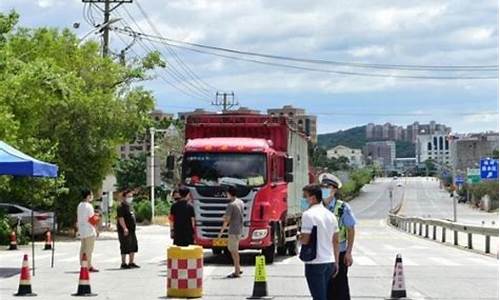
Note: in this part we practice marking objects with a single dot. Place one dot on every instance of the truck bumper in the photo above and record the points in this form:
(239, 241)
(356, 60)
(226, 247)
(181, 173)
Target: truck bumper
(247, 243)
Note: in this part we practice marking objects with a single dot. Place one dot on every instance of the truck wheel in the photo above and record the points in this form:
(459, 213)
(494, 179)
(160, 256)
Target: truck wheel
(282, 250)
(269, 253)
(293, 248)
(216, 251)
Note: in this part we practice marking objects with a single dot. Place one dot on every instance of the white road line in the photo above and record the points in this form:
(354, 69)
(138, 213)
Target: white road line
(391, 248)
(364, 250)
(157, 259)
(481, 261)
(443, 261)
(409, 262)
(364, 261)
(112, 260)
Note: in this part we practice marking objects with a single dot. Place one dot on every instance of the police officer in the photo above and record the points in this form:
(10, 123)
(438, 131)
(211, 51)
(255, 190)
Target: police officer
(339, 289)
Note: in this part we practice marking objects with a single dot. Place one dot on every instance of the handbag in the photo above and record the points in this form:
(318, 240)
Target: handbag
(308, 252)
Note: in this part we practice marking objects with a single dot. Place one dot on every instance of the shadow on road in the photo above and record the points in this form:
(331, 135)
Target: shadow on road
(246, 259)
(9, 272)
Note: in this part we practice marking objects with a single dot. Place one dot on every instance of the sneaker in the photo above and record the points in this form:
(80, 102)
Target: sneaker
(93, 270)
(133, 266)
(124, 266)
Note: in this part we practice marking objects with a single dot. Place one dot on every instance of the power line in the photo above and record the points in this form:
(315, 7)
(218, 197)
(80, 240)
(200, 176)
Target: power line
(170, 69)
(157, 39)
(342, 63)
(183, 65)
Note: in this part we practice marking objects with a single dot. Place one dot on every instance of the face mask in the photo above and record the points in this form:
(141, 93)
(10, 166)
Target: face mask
(326, 192)
(129, 200)
(304, 204)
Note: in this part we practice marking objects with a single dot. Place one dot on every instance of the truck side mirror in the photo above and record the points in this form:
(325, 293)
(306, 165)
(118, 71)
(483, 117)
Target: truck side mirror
(289, 165)
(170, 162)
(288, 177)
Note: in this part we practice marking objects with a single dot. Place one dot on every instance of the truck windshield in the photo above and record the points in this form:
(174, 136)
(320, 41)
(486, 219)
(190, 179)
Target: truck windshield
(247, 169)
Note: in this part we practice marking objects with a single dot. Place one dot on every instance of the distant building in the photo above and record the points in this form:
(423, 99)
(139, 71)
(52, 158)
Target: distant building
(392, 132)
(245, 110)
(159, 115)
(199, 111)
(466, 151)
(383, 152)
(435, 147)
(299, 119)
(402, 165)
(355, 156)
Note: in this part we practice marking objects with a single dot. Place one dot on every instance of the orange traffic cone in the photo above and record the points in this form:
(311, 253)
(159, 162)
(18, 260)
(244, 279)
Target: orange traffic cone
(13, 241)
(84, 282)
(398, 280)
(25, 280)
(48, 241)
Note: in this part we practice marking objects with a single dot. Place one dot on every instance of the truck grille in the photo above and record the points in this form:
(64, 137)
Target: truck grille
(210, 211)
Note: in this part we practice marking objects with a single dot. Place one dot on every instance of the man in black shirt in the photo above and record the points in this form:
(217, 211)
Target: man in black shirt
(126, 230)
(182, 220)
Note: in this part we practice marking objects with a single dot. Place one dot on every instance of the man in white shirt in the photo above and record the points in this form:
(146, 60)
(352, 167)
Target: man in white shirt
(87, 220)
(320, 271)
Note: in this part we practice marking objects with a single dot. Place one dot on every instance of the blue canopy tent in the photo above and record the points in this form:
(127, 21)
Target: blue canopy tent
(15, 163)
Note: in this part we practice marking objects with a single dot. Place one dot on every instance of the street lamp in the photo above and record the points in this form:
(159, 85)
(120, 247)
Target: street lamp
(152, 132)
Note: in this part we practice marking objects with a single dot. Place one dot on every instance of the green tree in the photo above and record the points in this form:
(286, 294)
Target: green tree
(64, 103)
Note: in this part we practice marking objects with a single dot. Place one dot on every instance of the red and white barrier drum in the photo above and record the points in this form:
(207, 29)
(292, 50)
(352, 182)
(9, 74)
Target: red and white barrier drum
(185, 272)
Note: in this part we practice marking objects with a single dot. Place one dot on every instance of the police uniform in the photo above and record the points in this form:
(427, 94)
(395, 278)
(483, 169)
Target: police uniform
(339, 289)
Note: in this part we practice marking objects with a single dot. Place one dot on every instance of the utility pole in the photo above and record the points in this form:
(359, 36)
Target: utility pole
(109, 6)
(221, 100)
(105, 34)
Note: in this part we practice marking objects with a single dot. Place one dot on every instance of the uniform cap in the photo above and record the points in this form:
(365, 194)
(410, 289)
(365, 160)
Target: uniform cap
(330, 179)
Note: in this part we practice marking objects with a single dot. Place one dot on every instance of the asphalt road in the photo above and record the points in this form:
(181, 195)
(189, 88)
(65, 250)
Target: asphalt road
(432, 270)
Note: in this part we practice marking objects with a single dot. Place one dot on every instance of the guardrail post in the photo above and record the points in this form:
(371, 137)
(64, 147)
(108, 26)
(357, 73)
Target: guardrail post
(443, 235)
(487, 244)
(469, 240)
(455, 238)
(426, 231)
(420, 229)
(414, 228)
(434, 232)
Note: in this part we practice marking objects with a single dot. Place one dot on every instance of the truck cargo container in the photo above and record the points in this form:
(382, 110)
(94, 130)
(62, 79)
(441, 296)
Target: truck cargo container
(268, 163)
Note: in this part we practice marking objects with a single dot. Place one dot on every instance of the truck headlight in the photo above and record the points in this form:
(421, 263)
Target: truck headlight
(259, 234)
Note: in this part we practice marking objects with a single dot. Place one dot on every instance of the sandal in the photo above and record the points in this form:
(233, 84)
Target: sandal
(233, 275)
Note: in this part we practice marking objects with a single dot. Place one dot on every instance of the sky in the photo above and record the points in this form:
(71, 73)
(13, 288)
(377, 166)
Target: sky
(410, 32)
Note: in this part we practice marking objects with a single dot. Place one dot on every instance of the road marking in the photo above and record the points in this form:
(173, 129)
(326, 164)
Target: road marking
(481, 261)
(409, 262)
(364, 250)
(157, 259)
(364, 261)
(443, 261)
(287, 261)
(112, 260)
(75, 258)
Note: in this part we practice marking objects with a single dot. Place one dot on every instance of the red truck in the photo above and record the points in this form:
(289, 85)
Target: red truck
(265, 159)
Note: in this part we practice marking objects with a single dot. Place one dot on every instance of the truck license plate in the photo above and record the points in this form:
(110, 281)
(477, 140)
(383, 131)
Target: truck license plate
(219, 243)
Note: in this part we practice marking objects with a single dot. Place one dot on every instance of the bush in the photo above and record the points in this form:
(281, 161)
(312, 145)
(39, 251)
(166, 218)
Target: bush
(162, 208)
(23, 234)
(142, 210)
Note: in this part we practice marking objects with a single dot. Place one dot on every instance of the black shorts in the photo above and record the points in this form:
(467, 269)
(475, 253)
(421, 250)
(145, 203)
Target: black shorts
(128, 244)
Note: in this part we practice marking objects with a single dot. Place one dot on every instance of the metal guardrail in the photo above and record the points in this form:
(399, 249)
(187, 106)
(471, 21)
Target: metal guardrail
(420, 226)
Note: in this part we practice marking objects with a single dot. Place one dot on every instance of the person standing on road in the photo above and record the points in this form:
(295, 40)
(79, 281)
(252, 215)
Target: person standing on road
(182, 221)
(339, 290)
(233, 218)
(87, 221)
(126, 230)
(323, 268)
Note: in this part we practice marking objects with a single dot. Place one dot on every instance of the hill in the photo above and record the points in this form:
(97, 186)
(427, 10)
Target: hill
(353, 138)
(356, 138)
